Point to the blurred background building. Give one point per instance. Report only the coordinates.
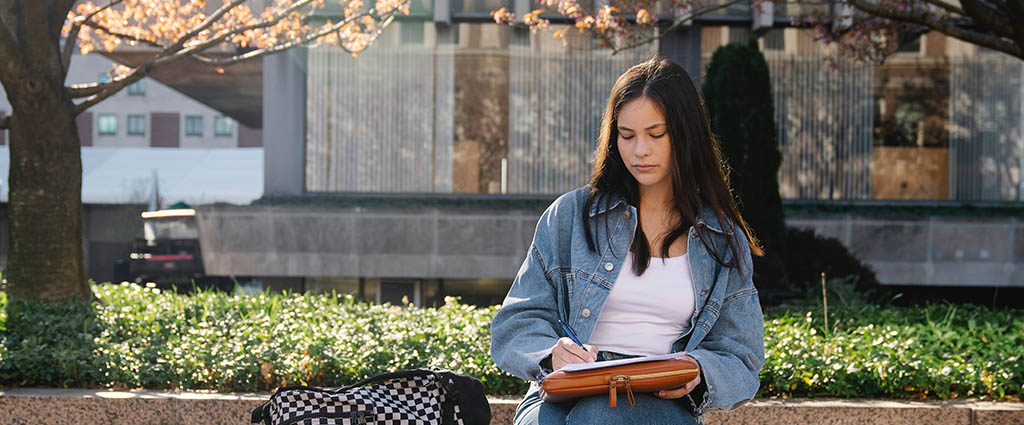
(147, 135)
(419, 169)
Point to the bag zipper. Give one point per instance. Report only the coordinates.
(625, 379)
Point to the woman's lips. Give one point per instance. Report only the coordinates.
(644, 168)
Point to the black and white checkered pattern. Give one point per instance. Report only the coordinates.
(407, 400)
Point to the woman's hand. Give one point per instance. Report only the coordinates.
(683, 390)
(565, 351)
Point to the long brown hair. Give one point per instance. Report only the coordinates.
(699, 173)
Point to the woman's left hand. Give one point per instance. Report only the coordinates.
(683, 390)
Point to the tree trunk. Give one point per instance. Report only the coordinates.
(46, 259)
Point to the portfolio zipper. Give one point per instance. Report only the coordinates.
(625, 379)
(653, 375)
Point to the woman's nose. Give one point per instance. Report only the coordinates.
(643, 147)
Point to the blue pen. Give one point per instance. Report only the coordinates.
(571, 334)
(576, 339)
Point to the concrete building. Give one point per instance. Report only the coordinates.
(146, 133)
(420, 168)
(147, 114)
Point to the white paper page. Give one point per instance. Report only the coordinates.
(572, 367)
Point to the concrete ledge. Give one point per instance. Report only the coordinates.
(78, 406)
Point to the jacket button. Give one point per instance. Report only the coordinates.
(586, 312)
(626, 214)
(609, 266)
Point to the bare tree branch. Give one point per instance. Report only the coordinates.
(946, 6)
(210, 20)
(84, 90)
(308, 39)
(98, 91)
(198, 47)
(986, 16)
(675, 26)
(109, 89)
(938, 24)
(72, 38)
(69, 47)
(119, 34)
(5, 122)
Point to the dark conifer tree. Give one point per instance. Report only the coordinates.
(738, 92)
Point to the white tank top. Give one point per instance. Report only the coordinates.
(645, 314)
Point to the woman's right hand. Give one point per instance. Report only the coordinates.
(566, 351)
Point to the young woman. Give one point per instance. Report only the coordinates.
(651, 257)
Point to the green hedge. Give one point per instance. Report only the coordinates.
(139, 337)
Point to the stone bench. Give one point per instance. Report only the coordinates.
(82, 406)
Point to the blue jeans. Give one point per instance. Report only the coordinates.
(594, 410)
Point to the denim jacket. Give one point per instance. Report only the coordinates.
(725, 334)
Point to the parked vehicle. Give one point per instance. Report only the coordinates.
(169, 255)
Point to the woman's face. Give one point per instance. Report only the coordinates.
(644, 143)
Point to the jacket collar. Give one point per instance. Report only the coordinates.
(609, 203)
(707, 219)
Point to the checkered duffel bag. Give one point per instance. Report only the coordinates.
(419, 396)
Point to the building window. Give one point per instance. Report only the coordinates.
(137, 88)
(136, 125)
(910, 46)
(739, 34)
(223, 126)
(107, 124)
(774, 39)
(412, 32)
(477, 6)
(194, 125)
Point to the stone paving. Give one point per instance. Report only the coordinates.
(84, 406)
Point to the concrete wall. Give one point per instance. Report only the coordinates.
(349, 242)
(480, 243)
(432, 243)
(942, 251)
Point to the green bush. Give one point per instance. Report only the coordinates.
(941, 351)
(139, 337)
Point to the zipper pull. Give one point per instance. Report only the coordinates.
(611, 393)
(629, 393)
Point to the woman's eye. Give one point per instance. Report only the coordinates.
(658, 136)
(626, 137)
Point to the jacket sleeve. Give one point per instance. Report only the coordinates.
(523, 330)
(732, 353)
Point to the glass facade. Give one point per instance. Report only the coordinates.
(491, 110)
(478, 108)
(940, 120)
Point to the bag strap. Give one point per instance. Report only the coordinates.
(261, 414)
(451, 398)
